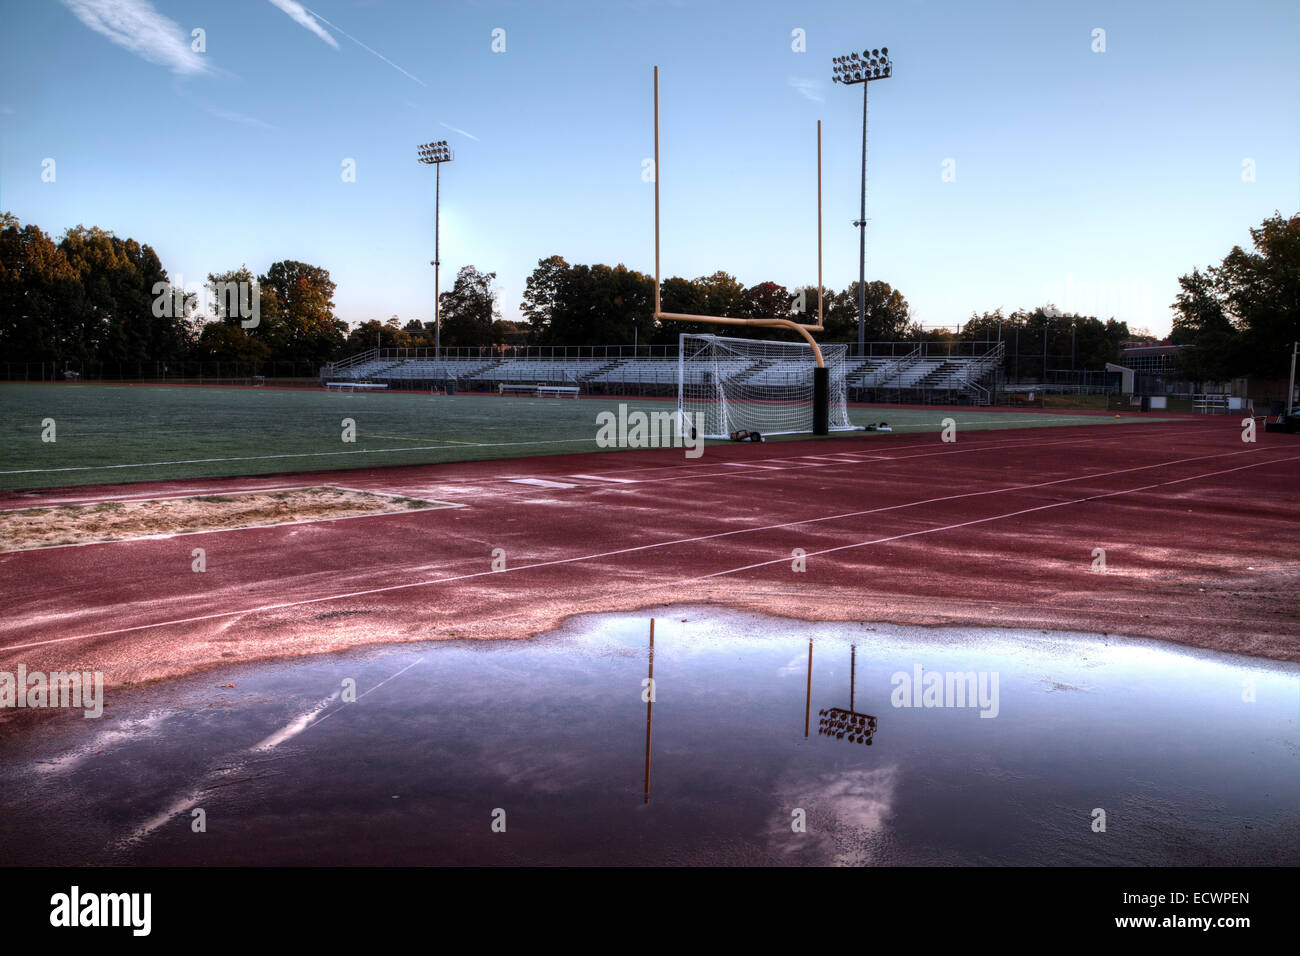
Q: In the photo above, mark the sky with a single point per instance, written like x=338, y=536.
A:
x=1017, y=156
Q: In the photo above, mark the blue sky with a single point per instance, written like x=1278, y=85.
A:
x=1092, y=179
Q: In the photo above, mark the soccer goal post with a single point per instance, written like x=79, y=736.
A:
x=727, y=385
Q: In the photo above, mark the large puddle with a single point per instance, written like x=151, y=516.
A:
x=768, y=741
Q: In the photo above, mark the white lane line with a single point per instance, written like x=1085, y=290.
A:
x=620, y=481
x=295, y=726
x=794, y=462
x=650, y=547
x=969, y=448
x=541, y=482
x=677, y=470
x=176, y=807
x=1010, y=514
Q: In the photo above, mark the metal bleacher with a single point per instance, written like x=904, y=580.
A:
x=893, y=372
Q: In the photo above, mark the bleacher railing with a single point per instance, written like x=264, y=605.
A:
x=610, y=353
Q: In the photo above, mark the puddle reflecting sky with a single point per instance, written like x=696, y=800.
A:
x=554, y=733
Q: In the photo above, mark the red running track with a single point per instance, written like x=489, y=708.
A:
x=1201, y=534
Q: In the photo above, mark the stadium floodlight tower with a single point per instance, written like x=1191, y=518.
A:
x=435, y=154
x=851, y=69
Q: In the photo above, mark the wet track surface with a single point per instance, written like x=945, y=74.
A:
x=553, y=732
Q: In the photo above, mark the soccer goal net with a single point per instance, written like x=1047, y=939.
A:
x=728, y=385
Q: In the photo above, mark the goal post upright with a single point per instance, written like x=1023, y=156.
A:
x=820, y=373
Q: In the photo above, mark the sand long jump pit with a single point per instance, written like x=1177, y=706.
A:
x=101, y=522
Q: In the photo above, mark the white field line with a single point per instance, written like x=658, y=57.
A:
x=306, y=454
x=366, y=592
x=385, y=451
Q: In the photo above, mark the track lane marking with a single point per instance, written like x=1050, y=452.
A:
x=679, y=541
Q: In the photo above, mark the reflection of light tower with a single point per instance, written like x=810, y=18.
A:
x=851, y=69
x=837, y=722
x=435, y=154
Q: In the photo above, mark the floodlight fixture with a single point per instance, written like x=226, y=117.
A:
x=435, y=154
x=873, y=64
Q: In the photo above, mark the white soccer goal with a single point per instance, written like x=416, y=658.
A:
x=728, y=384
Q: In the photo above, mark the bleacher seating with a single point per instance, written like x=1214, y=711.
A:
x=907, y=374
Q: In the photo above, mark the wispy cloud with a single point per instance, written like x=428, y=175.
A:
x=234, y=117
x=812, y=89
x=136, y=26
x=360, y=44
x=462, y=132
x=301, y=15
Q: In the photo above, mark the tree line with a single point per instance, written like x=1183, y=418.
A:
x=1243, y=315
x=92, y=296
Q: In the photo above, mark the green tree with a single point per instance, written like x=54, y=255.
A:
x=723, y=295
x=1241, y=316
x=584, y=305
x=297, y=307
x=389, y=335
x=680, y=296
x=469, y=311
x=887, y=313
x=119, y=277
x=1261, y=290
x=41, y=299
x=542, y=294
x=228, y=344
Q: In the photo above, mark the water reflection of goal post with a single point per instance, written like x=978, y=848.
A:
x=836, y=721
x=821, y=377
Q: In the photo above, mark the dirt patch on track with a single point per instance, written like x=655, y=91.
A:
x=98, y=522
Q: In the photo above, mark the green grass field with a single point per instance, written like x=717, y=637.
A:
x=120, y=433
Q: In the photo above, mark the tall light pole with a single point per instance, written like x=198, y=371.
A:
x=851, y=69
x=435, y=154
x=1050, y=313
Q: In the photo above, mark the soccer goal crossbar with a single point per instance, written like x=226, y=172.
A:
x=726, y=385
